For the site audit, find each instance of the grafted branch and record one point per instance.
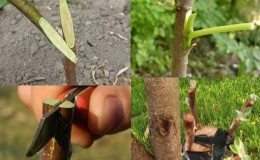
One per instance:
(180, 57)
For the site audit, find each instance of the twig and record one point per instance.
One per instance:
(188, 119)
(121, 71)
(249, 103)
(93, 71)
(31, 80)
(192, 103)
(118, 35)
(179, 57)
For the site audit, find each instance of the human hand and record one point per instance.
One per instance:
(108, 110)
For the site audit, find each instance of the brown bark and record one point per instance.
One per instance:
(70, 70)
(206, 130)
(59, 147)
(179, 57)
(249, 103)
(195, 147)
(233, 127)
(192, 104)
(138, 151)
(188, 120)
(52, 150)
(164, 117)
(28, 9)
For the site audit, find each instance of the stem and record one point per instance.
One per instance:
(192, 104)
(188, 120)
(69, 37)
(249, 103)
(164, 117)
(59, 147)
(70, 69)
(34, 16)
(179, 57)
(228, 28)
(28, 9)
(138, 151)
(52, 149)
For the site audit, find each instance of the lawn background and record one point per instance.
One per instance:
(217, 100)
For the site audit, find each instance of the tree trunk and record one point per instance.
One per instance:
(138, 151)
(164, 117)
(180, 57)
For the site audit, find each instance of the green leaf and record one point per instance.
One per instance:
(256, 54)
(57, 40)
(246, 157)
(2, 3)
(237, 142)
(247, 111)
(234, 149)
(67, 23)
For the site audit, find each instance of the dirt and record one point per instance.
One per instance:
(27, 57)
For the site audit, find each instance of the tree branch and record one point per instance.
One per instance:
(138, 151)
(28, 9)
(164, 117)
(179, 57)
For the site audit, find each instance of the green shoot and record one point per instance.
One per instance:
(243, 114)
(67, 23)
(57, 40)
(239, 149)
(190, 33)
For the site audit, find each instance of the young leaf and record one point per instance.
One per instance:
(247, 111)
(240, 147)
(67, 23)
(57, 40)
(246, 157)
(234, 149)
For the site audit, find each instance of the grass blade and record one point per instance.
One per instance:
(67, 23)
(57, 40)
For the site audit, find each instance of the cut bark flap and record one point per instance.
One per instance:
(165, 123)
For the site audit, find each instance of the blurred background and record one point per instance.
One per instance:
(18, 126)
(224, 54)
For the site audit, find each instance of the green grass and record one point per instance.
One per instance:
(139, 112)
(217, 100)
(138, 97)
(2, 3)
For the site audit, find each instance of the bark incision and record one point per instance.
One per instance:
(164, 117)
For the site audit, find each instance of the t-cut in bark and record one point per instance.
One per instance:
(164, 117)
(250, 102)
(138, 151)
(180, 56)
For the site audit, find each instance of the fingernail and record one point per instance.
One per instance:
(113, 114)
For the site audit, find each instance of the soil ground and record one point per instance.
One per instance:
(27, 54)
